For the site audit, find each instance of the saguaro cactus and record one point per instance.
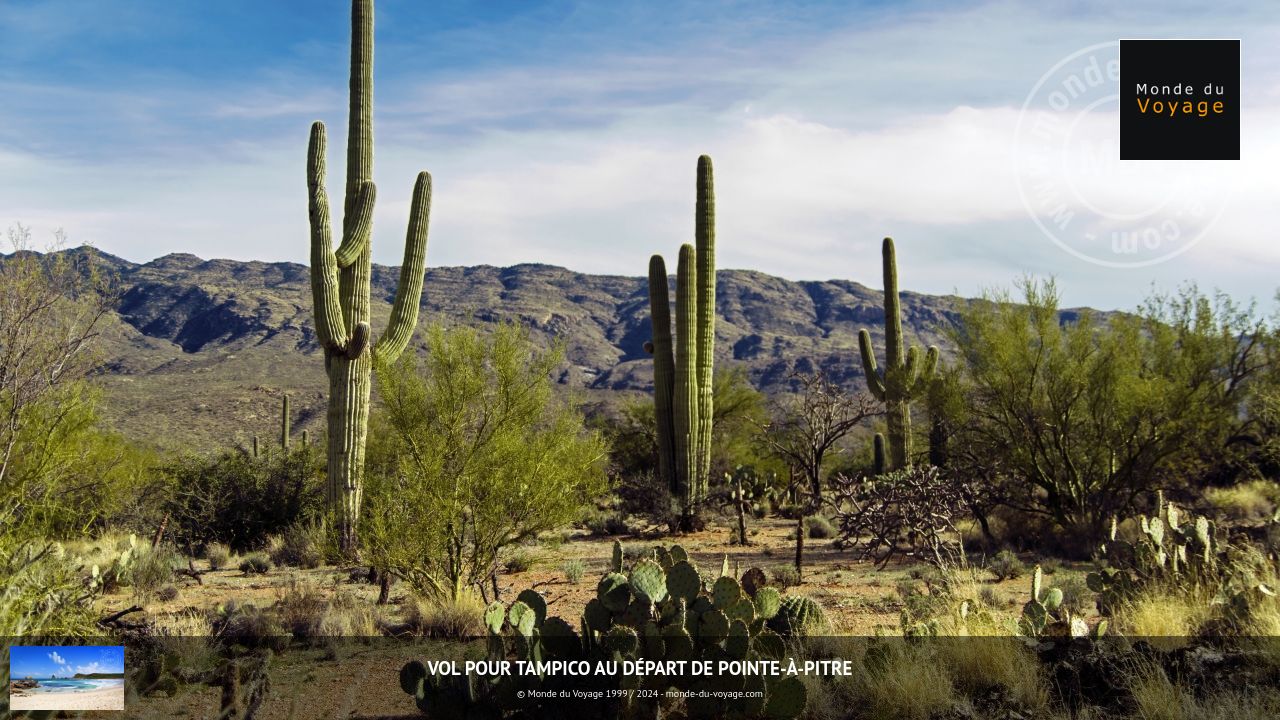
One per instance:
(340, 282)
(683, 370)
(284, 423)
(903, 379)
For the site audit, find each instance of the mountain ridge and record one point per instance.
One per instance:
(197, 353)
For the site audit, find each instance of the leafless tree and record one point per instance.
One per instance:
(808, 426)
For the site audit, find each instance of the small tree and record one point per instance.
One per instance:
(807, 427)
(51, 308)
(805, 431)
(473, 453)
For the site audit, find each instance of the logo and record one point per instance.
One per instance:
(1077, 188)
(1179, 99)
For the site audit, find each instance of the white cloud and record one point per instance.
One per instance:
(54, 656)
(900, 125)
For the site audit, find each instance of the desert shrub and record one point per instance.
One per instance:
(187, 624)
(446, 618)
(1076, 595)
(255, 564)
(303, 544)
(347, 617)
(819, 527)
(1006, 565)
(642, 495)
(475, 451)
(785, 576)
(239, 500)
(909, 512)
(167, 593)
(306, 613)
(218, 555)
(605, 523)
(247, 624)
(1158, 392)
(151, 568)
(573, 570)
(519, 561)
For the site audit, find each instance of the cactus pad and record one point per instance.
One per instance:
(620, 639)
(683, 581)
(535, 603)
(725, 592)
(752, 580)
(649, 581)
(614, 591)
(494, 616)
(522, 617)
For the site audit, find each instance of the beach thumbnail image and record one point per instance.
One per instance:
(70, 677)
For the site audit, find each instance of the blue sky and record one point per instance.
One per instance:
(45, 661)
(567, 132)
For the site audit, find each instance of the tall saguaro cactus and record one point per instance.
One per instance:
(284, 423)
(683, 370)
(340, 283)
(903, 379)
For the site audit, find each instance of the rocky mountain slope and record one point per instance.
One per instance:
(199, 352)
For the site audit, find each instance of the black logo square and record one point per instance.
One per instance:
(1179, 99)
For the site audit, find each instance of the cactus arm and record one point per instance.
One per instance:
(663, 367)
(909, 371)
(705, 239)
(404, 313)
(357, 229)
(330, 327)
(874, 382)
(686, 396)
(926, 373)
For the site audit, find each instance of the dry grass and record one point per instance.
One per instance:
(185, 624)
(905, 682)
(1167, 617)
(1250, 502)
(445, 618)
(1156, 697)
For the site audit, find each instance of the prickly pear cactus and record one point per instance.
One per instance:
(659, 611)
(798, 616)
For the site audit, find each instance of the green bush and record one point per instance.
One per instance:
(438, 517)
(152, 568)
(785, 576)
(255, 564)
(239, 500)
(1006, 566)
(218, 555)
(44, 591)
(819, 527)
(519, 561)
(303, 544)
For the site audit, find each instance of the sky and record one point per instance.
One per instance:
(64, 661)
(568, 133)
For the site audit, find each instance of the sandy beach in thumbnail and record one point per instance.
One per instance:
(108, 698)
